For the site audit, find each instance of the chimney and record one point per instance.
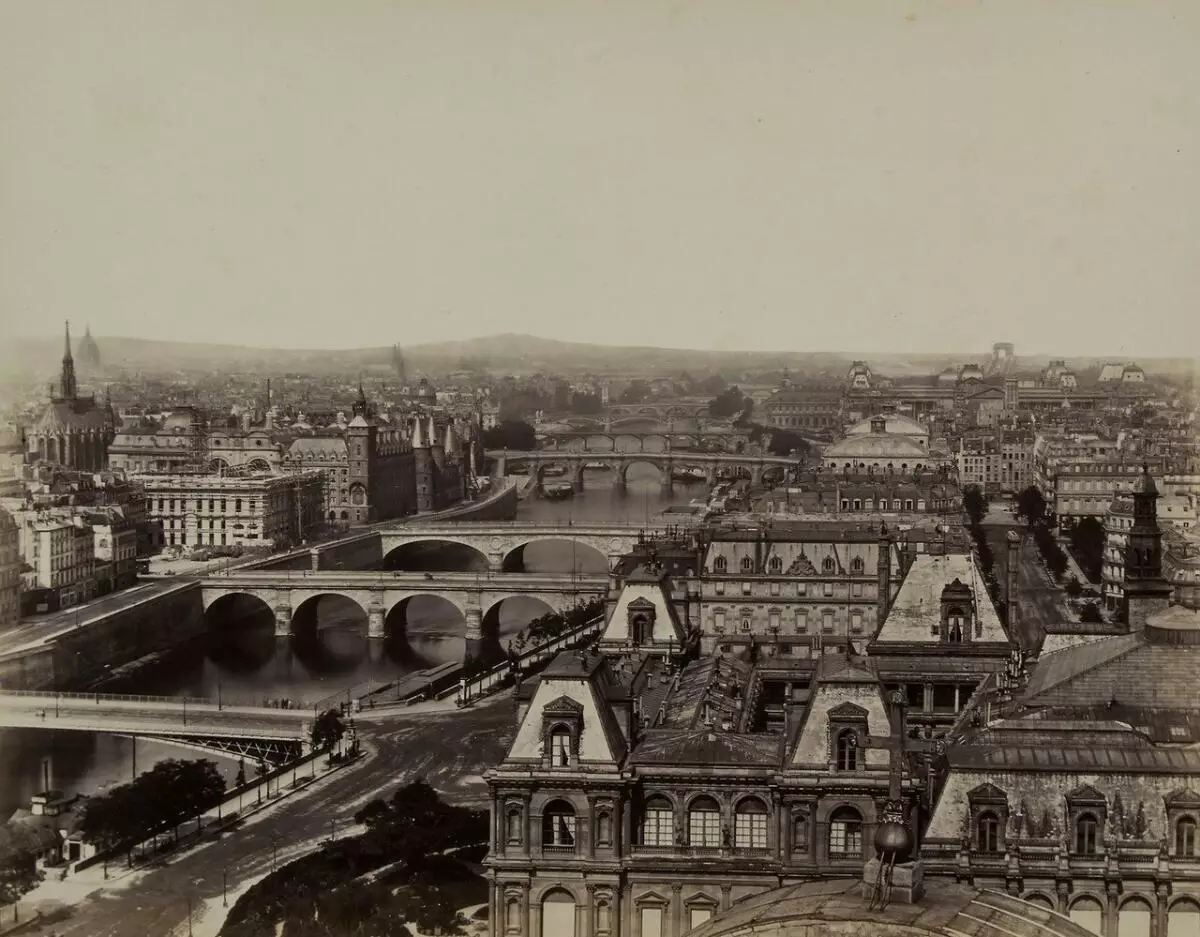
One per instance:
(883, 569)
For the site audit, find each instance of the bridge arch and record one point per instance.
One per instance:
(239, 631)
(436, 554)
(574, 551)
(493, 620)
(329, 630)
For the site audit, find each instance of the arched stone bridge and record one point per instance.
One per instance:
(498, 543)
(583, 439)
(666, 463)
(379, 593)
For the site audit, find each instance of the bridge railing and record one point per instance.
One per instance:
(220, 702)
(501, 674)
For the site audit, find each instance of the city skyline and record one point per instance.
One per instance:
(809, 178)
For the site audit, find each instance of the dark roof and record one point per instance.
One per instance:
(573, 665)
(1057, 758)
(707, 747)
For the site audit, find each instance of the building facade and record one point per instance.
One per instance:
(248, 511)
(10, 572)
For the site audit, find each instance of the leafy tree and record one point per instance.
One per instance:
(1087, 543)
(1090, 612)
(975, 503)
(785, 442)
(18, 866)
(586, 404)
(730, 402)
(714, 384)
(1031, 506)
(636, 392)
(328, 729)
(510, 434)
(1073, 587)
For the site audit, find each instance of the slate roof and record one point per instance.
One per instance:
(918, 604)
(706, 747)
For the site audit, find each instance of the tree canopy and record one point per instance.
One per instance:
(730, 402)
(510, 434)
(327, 729)
(1087, 543)
(1031, 506)
(975, 503)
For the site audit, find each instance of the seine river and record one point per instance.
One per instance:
(240, 660)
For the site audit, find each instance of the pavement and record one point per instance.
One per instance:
(450, 748)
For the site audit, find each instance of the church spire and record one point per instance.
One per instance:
(67, 388)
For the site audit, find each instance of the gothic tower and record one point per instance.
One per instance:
(68, 389)
(423, 468)
(1146, 590)
(361, 448)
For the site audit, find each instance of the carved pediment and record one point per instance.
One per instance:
(987, 794)
(847, 711)
(1183, 798)
(563, 706)
(802, 566)
(1086, 794)
(641, 604)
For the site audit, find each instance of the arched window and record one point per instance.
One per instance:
(558, 914)
(560, 747)
(720, 564)
(847, 750)
(1183, 918)
(828, 565)
(1088, 913)
(704, 823)
(800, 831)
(856, 565)
(987, 829)
(658, 823)
(747, 564)
(558, 825)
(1134, 918)
(845, 833)
(1041, 901)
(776, 565)
(1185, 837)
(513, 825)
(750, 824)
(1086, 829)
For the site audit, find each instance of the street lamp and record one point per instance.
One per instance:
(225, 887)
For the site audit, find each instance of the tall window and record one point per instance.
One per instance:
(776, 565)
(558, 914)
(988, 829)
(955, 620)
(845, 833)
(847, 750)
(560, 747)
(747, 564)
(750, 824)
(720, 564)
(558, 824)
(704, 823)
(1185, 838)
(658, 824)
(856, 565)
(1086, 829)
(828, 565)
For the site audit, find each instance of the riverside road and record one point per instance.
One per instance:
(450, 749)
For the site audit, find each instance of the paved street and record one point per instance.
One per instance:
(1039, 600)
(449, 749)
(43, 628)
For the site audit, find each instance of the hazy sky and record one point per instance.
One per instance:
(799, 175)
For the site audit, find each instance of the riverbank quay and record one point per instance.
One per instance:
(448, 746)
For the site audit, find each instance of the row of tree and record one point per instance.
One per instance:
(975, 505)
(400, 871)
(169, 794)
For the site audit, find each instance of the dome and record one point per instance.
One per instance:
(1176, 625)
(893, 423)
(876, 446)
(838, 909)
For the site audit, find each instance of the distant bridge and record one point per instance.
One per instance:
(590, 440)
(382, 596)
(257, 732)
(666, 463)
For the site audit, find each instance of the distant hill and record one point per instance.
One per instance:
(499, 354)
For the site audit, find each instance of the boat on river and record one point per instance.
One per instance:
(558, 491)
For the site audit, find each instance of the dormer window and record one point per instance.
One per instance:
(856, 565)
(562, 725)
(720, 564)
(560, 747)
(747, 564)
(828, 565)
(847, 750)
(776, 565)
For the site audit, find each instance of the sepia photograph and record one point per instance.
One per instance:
(640, 468)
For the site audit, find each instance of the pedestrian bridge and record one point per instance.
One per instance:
(255, 732)
(382, 596)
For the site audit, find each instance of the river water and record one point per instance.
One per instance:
(240, 660)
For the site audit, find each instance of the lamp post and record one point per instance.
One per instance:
(225, 887)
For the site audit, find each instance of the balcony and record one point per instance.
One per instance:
(752, 852)
(666, 850)
(549, 849)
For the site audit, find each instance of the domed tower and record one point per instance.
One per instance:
(423, 468)
(1146, 589)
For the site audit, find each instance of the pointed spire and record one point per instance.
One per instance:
(451, 444)
(67, 388)
(418, 437)
(432, 432)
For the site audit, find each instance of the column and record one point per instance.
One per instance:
(314, 559)
(376, 627)
(283, 621)
(588, 924)
(675, 928)
(528, 917)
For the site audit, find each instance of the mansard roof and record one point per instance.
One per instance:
(708, 747)
(917, 605)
